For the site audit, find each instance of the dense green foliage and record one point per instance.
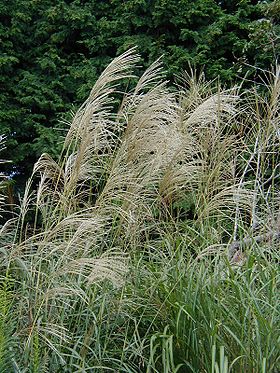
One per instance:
(154, 243)
(53, 51)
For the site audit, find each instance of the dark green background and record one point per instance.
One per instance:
(52, 51)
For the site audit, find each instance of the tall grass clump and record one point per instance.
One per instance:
(151, 244)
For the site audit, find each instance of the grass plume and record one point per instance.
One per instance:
(150, 245)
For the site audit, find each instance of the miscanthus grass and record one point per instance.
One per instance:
(152, 243)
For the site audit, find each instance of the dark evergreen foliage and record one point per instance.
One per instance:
(52, 52)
